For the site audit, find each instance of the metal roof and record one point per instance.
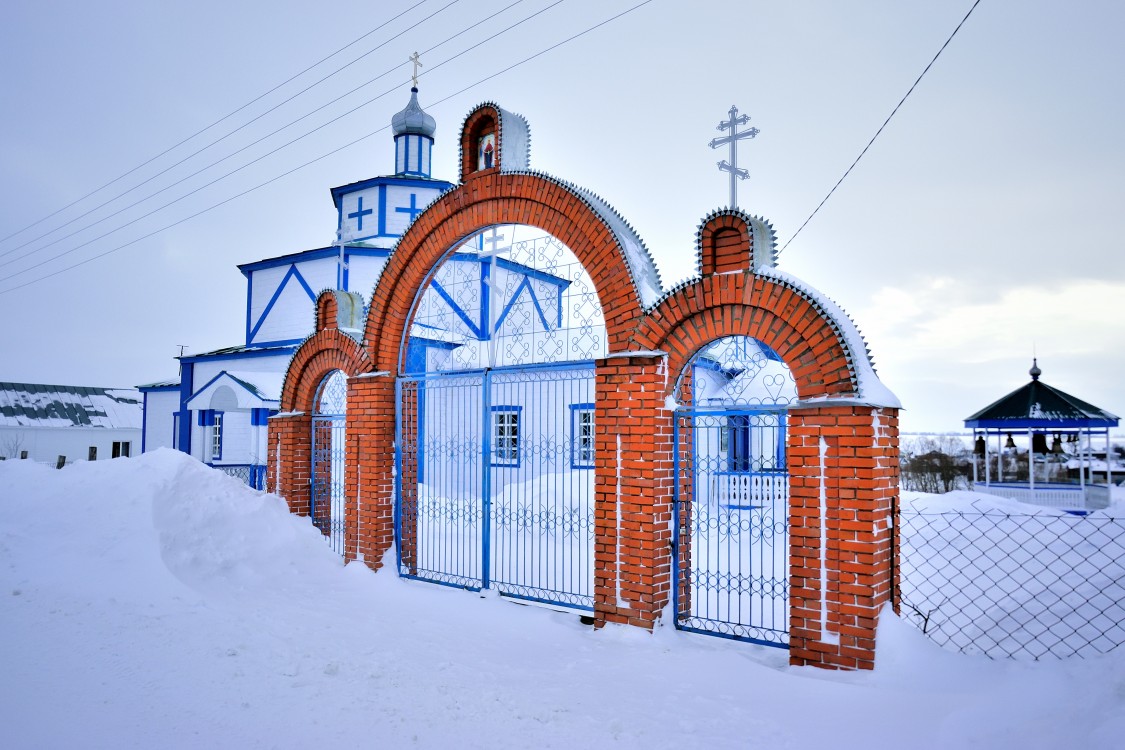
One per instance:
(35, 405)
(1040, 405)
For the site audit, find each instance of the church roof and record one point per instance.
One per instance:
(413, 120)
(1037, 404)
(35, 405)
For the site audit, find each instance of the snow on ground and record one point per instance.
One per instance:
(152, 601)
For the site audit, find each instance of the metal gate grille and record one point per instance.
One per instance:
(326, 506)
(496, 481)
(732, 502)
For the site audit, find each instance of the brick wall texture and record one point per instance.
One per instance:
(842, 456)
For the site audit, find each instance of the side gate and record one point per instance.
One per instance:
(732, 507)
(328, 460)
(495, 486)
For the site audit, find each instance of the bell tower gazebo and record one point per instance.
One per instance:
(1042, 412)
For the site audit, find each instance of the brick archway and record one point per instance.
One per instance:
(289, 470)
(491, 198)
(842, 440)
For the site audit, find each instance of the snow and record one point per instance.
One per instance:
(152, 601)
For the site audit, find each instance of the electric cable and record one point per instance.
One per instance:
(216, 122)
(880, 130)
(250, 145)
(322, 156)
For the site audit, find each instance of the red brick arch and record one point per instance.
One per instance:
(319, 355)
(487, 199)
(743, 304)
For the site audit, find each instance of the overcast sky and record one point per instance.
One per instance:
(984, 221)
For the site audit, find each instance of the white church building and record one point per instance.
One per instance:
(217, 409)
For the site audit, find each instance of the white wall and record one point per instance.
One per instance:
(160, 409)
(46, 444)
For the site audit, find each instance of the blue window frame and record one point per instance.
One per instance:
(581, 436)
(506, 436)
(217, 436)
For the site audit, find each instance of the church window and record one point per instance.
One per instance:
(506, 435)
(582, 436)
(217, 436)
(93, 454)
(121, 449)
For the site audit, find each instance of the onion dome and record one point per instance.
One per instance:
(1034, 372)
(413, 120)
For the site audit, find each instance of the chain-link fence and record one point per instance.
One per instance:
(1025, 585)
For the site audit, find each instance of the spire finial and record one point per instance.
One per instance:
(417, 64)
(1034, 372)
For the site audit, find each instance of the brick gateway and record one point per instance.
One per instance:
(840, 440)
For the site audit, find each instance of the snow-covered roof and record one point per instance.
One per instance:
(35, 405)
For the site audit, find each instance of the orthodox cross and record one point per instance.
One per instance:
(491, 316)
(733, 139)
(359, 213)
(417, 64)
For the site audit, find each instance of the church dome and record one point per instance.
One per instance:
(413, 120)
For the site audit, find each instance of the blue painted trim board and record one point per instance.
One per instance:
(290, 274)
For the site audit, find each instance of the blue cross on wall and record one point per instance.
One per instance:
(359, 213)
(413, 210)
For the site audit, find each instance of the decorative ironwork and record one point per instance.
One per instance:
(732, 493)
(739, 371)
(465, 517)
(327, 502)
(487, 305)
(252, 475)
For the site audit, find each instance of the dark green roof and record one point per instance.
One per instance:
(1039, 405)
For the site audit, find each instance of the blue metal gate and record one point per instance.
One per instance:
(496, 481)
(732, 494)
(326, 503)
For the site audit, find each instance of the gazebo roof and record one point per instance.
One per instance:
(1039, 405)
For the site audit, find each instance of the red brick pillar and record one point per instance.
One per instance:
(633, 490)
(843, 479)
(371, 460)
(289, 463)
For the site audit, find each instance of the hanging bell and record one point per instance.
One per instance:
(1039, 443)
(1011, 443)
(978, 447)
(1056, 445)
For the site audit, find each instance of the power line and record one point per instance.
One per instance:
(880, 130)
(250, 145)
(216, 122)
(326, 155)
(213, 143)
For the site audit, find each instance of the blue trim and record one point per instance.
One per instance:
(281, 343)
(485, 303)
(245, 386)
(486, 479)
(291, 273)
(259, 417)
(331, 251)
(495, 462)
(525, 284)
(382, 210)
(575, 436)
(144, 420)
(187, 377)
(217, 425)
(1043, 423)
(406, 153)
(455, 307)
(154, 389)
(340, 192)
(249, 298)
